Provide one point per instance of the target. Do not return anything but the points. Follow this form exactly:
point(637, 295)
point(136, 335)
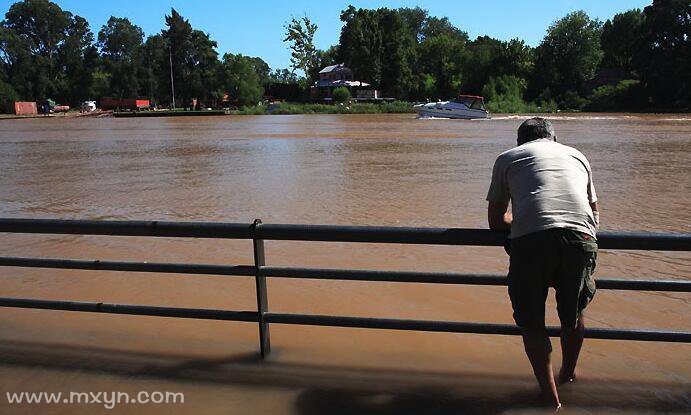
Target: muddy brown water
point(326, 169)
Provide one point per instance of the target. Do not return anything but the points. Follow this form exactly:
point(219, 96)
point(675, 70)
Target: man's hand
point(497, 216)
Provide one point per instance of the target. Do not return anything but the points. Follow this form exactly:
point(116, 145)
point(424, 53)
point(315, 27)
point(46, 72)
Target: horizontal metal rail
point(323, 274)
point(336, 321)
point(324, 233)
point(462, 327)
point(258, 232)
point(457, 278)
point(158, 267)
point(140, 310)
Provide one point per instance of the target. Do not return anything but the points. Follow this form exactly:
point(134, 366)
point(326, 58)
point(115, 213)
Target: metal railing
point(259, 232)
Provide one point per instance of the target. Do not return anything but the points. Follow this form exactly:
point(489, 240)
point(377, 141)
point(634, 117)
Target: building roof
point(333, 68)
point(339, 82)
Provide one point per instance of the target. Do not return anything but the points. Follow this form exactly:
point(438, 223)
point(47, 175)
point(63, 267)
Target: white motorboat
point(466, 107)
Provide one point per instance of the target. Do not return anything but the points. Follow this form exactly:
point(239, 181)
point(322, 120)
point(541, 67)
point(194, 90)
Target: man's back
point(549, 184)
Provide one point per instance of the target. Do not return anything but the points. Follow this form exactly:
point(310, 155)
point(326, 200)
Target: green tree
point(567, 56)
point(515, 58)
point(18, 68)
point(122, 50)
point(155, 62)
point(282, 76)
point(341, 94)
point(397, 55)
point(7, 95)
point(240, 80)
point(45, 50)
point(78, 58)
point(481, 63)
point(626, 95)
point(300, 35)
point(262, 70)
point(43, 25)
point(505, 94)
point(665, 53)
point(178, 41)
point(380, 46)
point(621, 38)
point(360, 44)
point(441, 60)
point(205, 68)
point(438, 55)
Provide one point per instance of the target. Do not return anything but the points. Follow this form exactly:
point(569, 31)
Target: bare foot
point(550, 401)
point(566, 378)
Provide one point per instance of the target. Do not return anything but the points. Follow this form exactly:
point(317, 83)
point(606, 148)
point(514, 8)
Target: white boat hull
point(449, 109)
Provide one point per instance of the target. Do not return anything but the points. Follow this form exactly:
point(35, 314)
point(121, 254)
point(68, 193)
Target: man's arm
point(596, 213)
point(498, 217)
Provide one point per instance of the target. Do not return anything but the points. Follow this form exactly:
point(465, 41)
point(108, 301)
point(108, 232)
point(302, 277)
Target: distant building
point(334, 76)
point(338, 72)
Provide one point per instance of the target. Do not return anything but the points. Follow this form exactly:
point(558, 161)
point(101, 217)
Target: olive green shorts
point(560, 258)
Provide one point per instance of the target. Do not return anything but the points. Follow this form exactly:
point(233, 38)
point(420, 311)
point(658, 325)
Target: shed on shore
point(23, 108)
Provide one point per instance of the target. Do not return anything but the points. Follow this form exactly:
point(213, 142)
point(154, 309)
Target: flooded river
point(325, 169)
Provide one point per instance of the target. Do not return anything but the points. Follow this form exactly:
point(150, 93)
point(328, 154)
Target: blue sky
point(255, 28)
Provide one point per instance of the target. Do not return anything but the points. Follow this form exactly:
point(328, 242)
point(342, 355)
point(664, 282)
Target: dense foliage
point(637, 60)
point(341, 94)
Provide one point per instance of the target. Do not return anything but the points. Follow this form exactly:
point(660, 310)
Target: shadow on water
point(348, 390)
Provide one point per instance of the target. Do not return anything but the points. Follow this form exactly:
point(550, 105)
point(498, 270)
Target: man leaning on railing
point(553, 221)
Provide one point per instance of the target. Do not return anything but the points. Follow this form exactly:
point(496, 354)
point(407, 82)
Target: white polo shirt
point(550, 185)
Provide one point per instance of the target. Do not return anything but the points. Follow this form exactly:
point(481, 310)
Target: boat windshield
point(472, 103)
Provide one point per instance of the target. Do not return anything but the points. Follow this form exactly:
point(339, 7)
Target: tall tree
point(204, 84)
point(300, 35)
point(262, 70)
point(122, 44)
point(621, 39)
point(17, 64)
point(240, 80)
point(360, 44)
point(481, 63)
point(45, 42)
point(398, 54)
point(441, 60)
point(665, 56)
point(178, 39)
point(567, 56)
point(78, 58)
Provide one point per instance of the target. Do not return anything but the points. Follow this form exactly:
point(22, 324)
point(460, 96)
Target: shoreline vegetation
point(286, 108)
point(635, 61)
point(293, 108)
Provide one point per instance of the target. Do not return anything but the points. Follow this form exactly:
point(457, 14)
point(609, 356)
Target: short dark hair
point(534, 129)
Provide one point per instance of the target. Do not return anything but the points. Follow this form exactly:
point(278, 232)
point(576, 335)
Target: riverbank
point(394, 107)
point(295, 108)
point(166, 113)
point(67, 114)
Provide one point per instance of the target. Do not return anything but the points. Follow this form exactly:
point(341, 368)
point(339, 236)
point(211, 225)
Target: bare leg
point(571, 342)
point(538, 349)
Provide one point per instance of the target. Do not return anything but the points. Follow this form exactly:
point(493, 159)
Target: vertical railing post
point(262, 298)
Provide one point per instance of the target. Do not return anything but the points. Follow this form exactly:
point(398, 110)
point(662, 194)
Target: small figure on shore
point(552, 242)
